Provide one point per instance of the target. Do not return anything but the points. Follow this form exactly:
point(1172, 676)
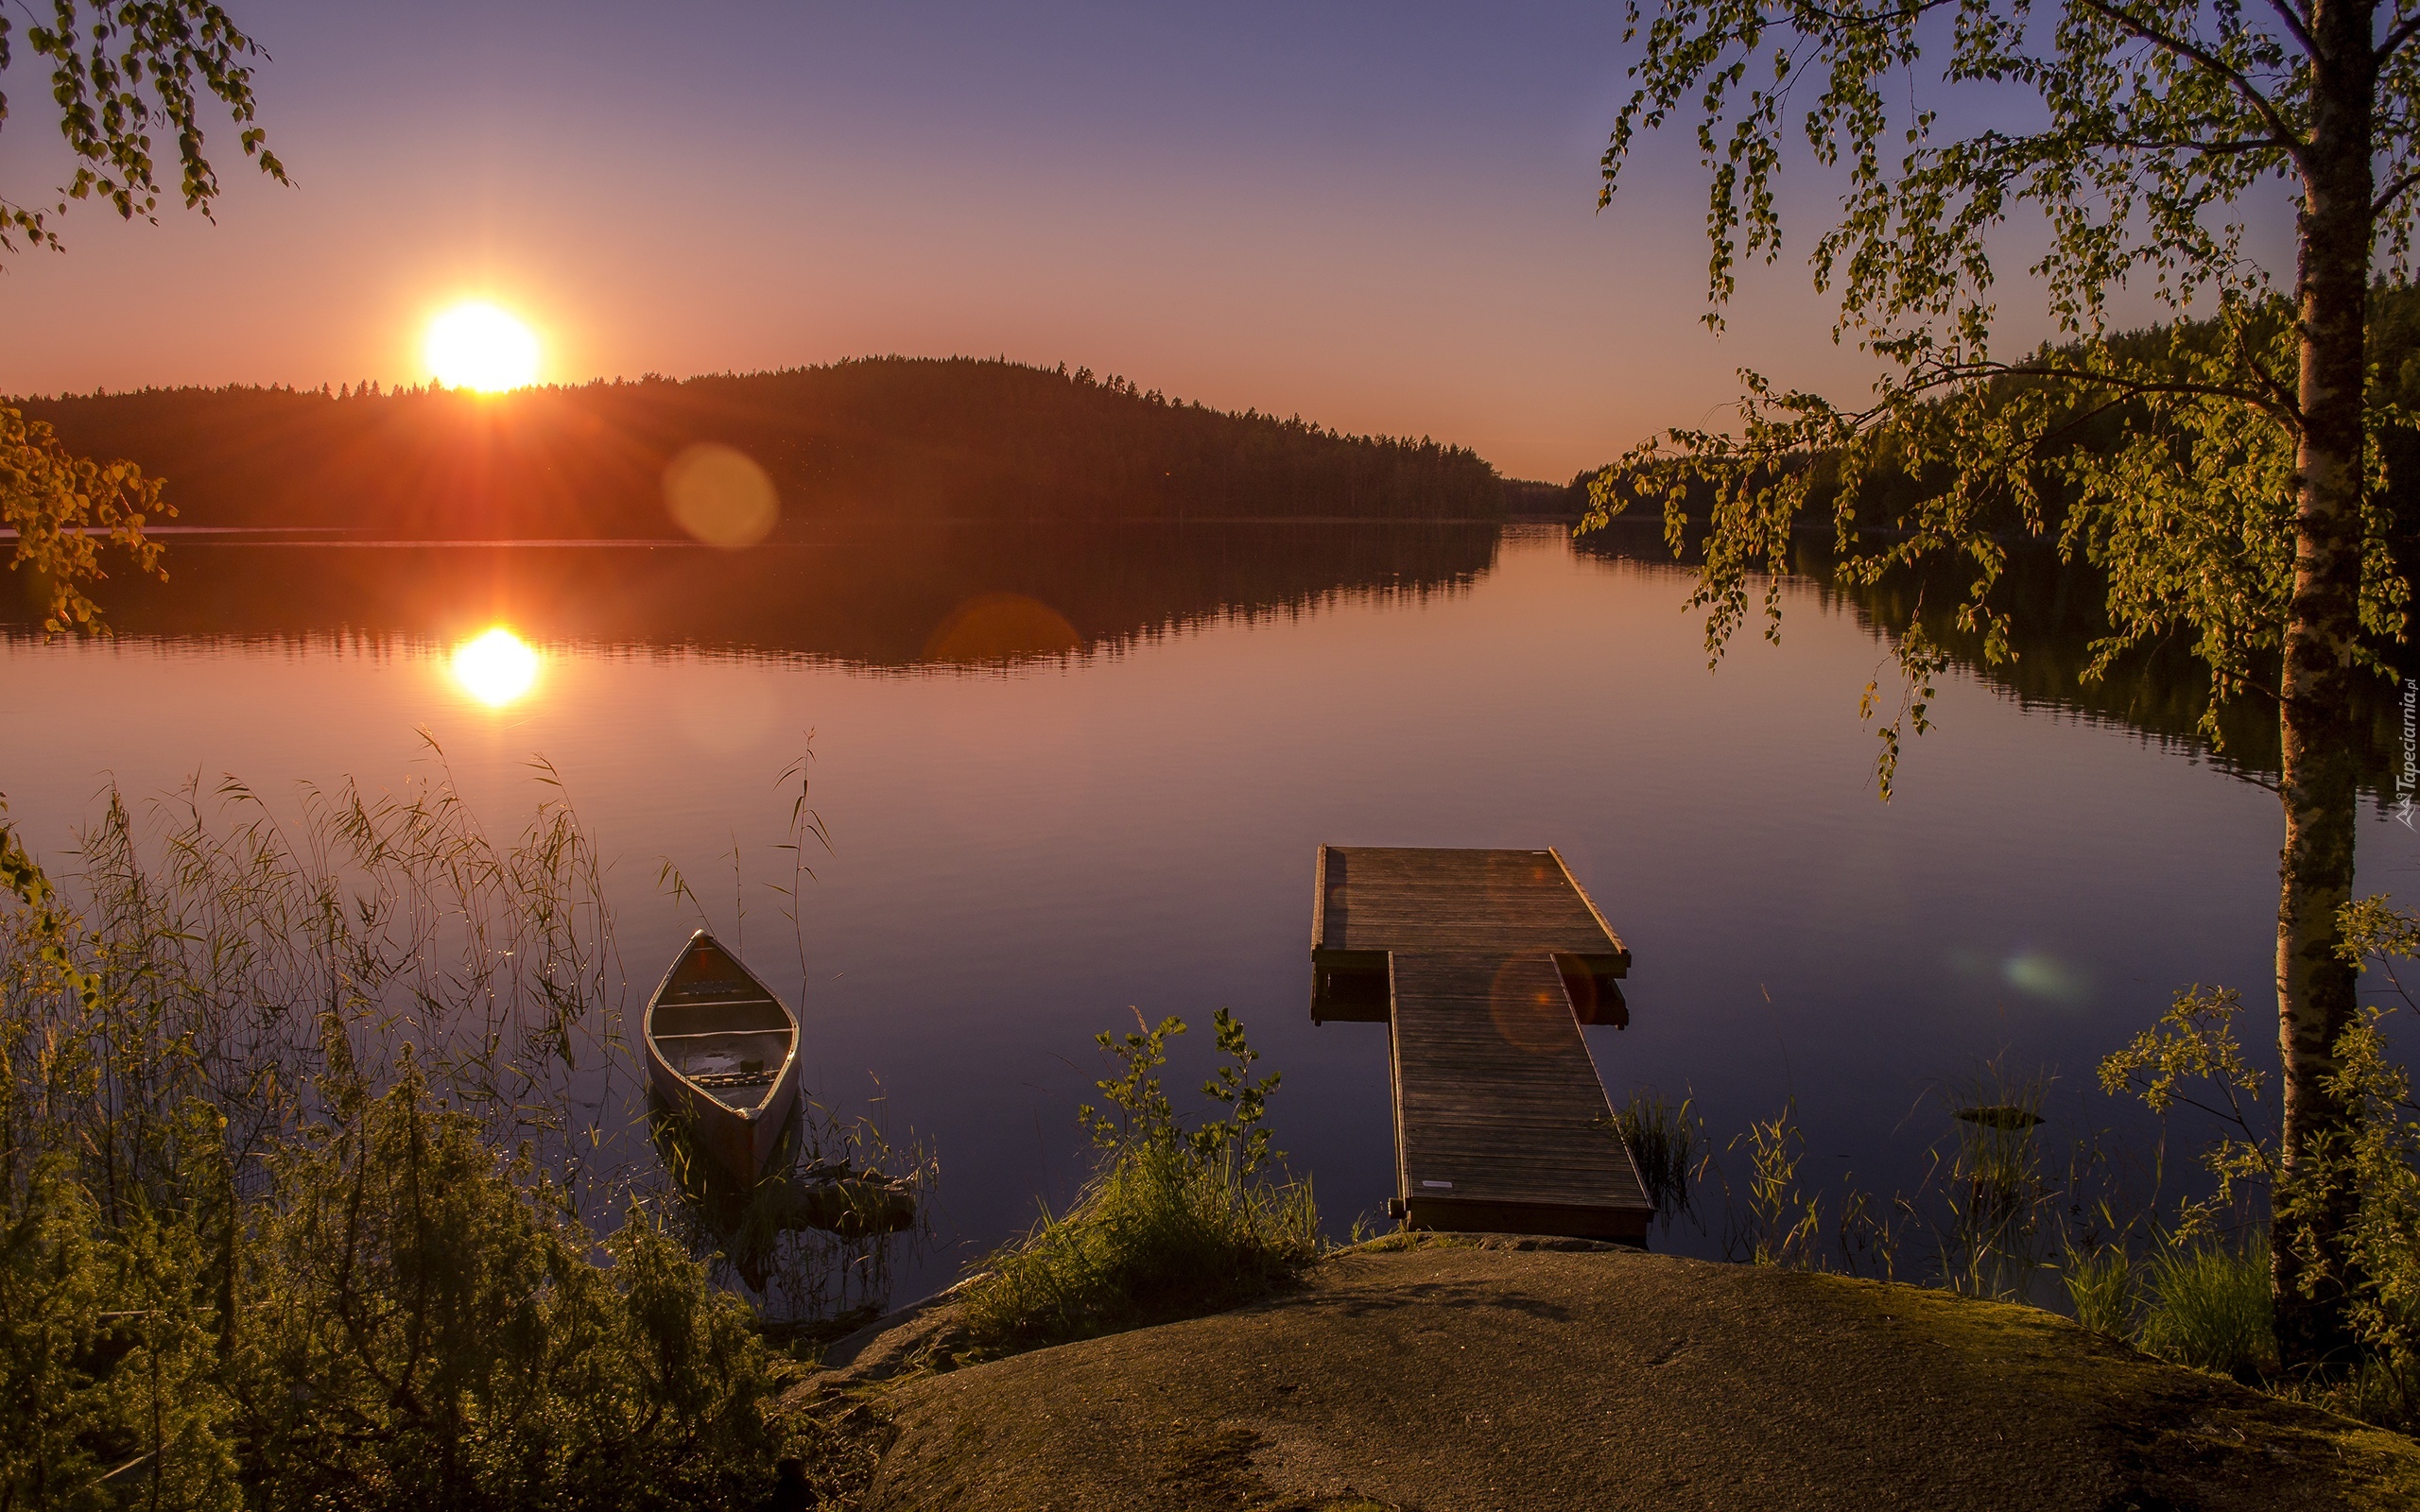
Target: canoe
point(722, 1051)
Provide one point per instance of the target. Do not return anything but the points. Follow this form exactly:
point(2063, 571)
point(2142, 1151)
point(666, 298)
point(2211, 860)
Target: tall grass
point(307, 1139)
point(2100, 1285)
point(1783, 1223)
point(1156, 1234)
point(266, 967)
point(2208, 1307)
point(1174, 1222)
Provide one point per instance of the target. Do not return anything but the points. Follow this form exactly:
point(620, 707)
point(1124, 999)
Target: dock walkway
point(1483, 964)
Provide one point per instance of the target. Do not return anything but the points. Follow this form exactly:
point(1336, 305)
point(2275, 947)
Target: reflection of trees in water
point(2159, 691)
point(962, 592)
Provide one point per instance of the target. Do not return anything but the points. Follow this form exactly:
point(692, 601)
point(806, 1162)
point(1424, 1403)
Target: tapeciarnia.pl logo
point(2408, 780)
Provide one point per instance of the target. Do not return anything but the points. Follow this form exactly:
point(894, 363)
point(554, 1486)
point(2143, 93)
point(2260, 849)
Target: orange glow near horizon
point(477, 345)
point(495, 668)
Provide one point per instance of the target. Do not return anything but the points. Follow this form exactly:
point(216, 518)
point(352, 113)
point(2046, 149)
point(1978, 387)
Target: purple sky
point(1380, 217)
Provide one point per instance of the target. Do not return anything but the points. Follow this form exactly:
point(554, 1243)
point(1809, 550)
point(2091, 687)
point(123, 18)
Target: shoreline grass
point(300, 1192)
point(1174, 1222)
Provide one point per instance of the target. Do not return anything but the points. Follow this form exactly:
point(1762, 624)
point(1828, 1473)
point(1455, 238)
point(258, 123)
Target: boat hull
point(740, 1142)
point(711, 1029)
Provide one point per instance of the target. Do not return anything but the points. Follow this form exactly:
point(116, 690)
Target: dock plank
point(1501, 1120)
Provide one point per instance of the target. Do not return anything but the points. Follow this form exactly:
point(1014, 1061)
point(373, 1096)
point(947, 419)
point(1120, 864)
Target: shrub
point(428, 1329)
point(107, 1370)
point(233, 1276)
point(2366, 1168)
point(1174, 1222)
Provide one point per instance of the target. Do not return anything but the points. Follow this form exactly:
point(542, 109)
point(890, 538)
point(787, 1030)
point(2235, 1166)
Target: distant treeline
point(891, 438)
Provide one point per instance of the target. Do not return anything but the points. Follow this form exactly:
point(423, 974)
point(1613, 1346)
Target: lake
point(1071, 773)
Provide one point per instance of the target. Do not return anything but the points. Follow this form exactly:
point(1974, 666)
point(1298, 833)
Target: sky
point(1379, 217)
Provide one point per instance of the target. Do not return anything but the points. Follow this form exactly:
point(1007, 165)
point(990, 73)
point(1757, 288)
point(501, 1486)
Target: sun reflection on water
point(495, 668)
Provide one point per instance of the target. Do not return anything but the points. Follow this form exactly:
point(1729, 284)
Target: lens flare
point(478, 346)
point(720, 495)
point(495, 668)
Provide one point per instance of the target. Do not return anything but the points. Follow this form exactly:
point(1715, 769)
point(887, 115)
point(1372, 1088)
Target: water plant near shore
point(2190, 1281)
point(307, 1195)
point(1666, 1143)
point(1174, 1222)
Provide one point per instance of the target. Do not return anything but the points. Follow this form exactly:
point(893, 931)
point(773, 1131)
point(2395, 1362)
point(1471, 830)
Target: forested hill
point(881, 437)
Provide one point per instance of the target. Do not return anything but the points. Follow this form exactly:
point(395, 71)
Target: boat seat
point(737, 1078)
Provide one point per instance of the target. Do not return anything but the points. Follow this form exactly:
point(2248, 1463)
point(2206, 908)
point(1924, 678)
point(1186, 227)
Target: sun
point(495, 668)
point(480, 346)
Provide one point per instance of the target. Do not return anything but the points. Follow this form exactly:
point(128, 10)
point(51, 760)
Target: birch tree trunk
point(2315, 988)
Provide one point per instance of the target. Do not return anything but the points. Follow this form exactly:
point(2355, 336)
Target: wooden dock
point(1483, 964)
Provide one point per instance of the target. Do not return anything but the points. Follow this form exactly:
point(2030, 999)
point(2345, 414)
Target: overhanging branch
point(2394, 191)
point(2203, 59)
point(2280, 409)
point(2294, 21)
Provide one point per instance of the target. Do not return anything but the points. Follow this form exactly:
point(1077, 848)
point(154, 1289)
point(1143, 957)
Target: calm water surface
point(1065, 776)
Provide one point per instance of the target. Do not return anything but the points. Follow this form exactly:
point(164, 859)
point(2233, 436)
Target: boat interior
point(722, 1032)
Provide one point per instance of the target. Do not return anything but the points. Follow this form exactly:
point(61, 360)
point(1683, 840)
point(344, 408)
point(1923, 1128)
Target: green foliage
point(2374, 1162)
point(64, 508)
point(109, 1369)
point(2226, 477)
point(2368, 1166)
point(1239, 1139)
point(2166, 459)
point(1146, 1116)
point(426, 1328)
point(2192, 1059)
point(1174, 1222)
point(402, 1320)
point(118, 73)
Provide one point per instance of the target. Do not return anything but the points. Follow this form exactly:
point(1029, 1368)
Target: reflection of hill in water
point(2160, 691)
point(922, 594)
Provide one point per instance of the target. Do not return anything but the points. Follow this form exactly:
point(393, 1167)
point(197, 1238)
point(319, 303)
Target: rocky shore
point(1522, 1374)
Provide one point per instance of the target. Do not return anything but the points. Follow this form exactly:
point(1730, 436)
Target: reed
point(1993, 1241)
point(1782, 1223)
point(1666, 1143)
point(307, 1185)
